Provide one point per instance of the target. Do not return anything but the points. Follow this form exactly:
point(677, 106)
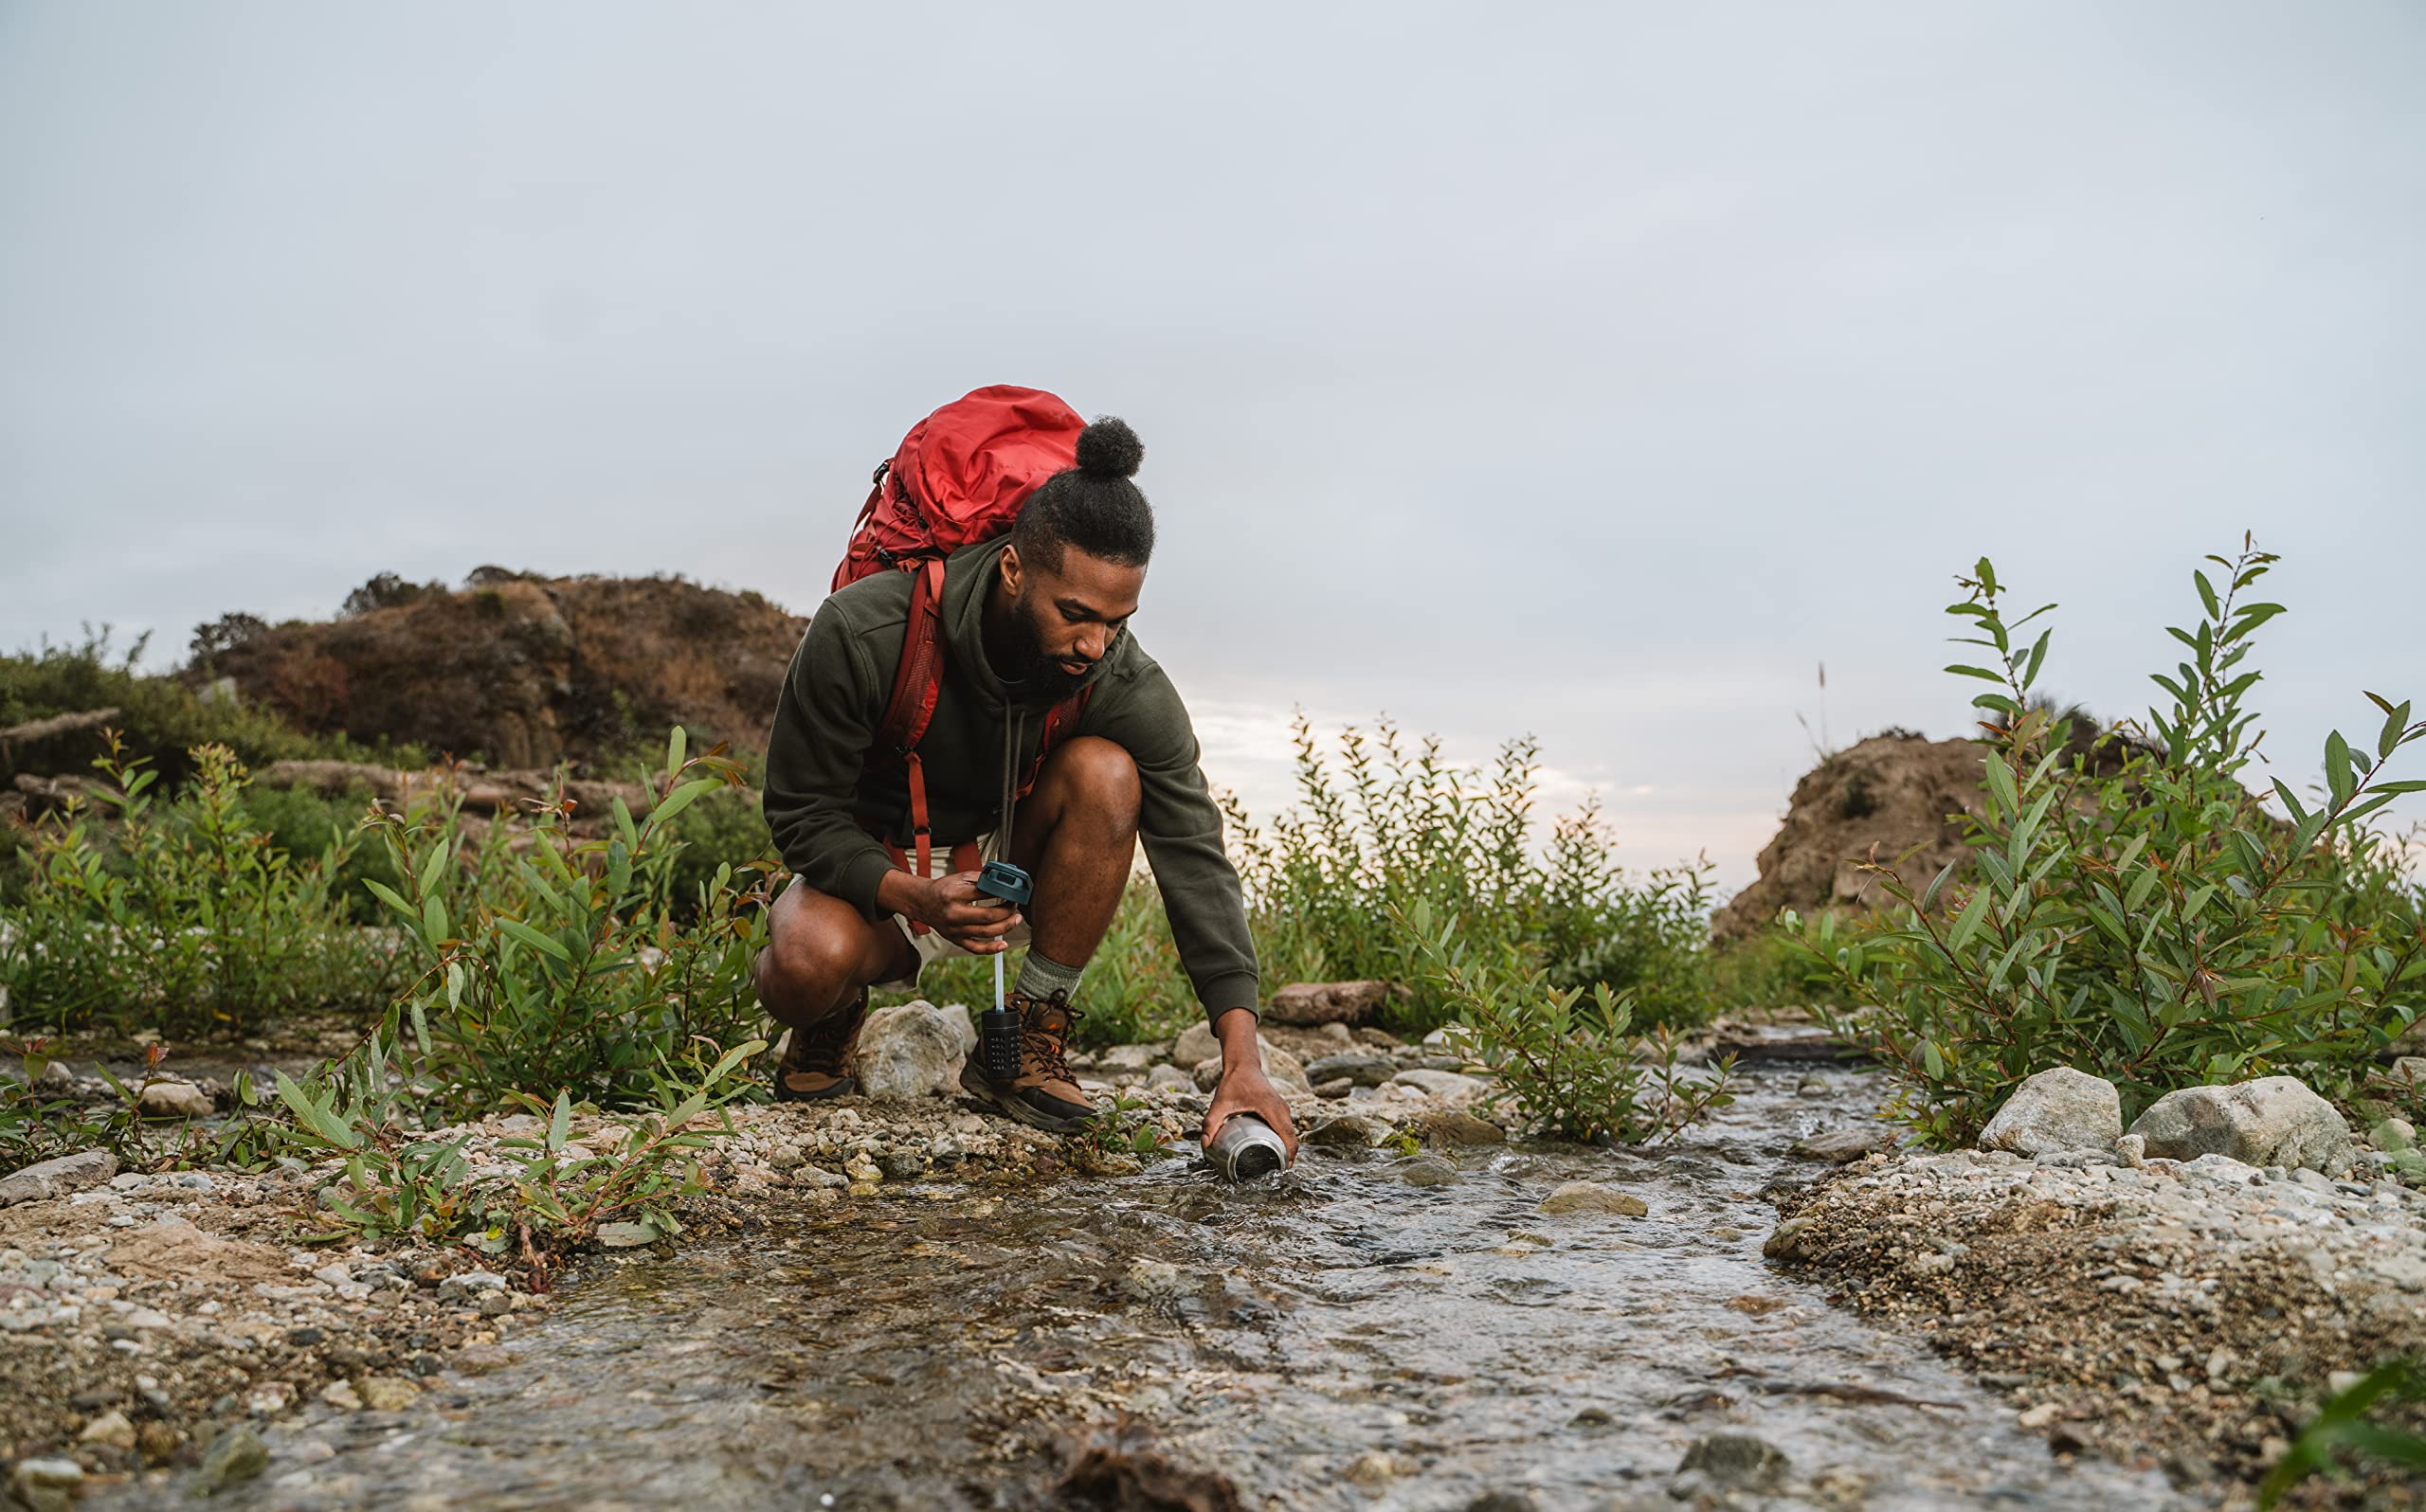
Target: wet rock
point(1841, 1145)
point(1785, 1243)
point(1591, 1196)
point(1333, 1091)
point(173, 1099)
point(1326, 1003)
point(1502, 1501)
point(1363, 1068)
point(1450, 1125)
point(467, 1282)
point(2058, 1109)
point(1153, 1281)
point(57, 1178)
point(234, 1456)
point(1737, 1461)
point(387, 1394)
point(1426, 1170)
point(479, 1360)
point(913, 1050)
point(1372, 1469)
point(46, 1485)
point(1449, 1087)
point(2272, 1121)
point(1347, 1131)
point(341, 1396)
point(111, 1430)
point(626, 1236)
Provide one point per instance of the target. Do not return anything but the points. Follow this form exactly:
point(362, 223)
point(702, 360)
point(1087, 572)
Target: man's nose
point(1092, 642)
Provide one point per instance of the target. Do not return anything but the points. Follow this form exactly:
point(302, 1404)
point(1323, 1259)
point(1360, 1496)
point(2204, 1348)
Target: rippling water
point(1338, 1338)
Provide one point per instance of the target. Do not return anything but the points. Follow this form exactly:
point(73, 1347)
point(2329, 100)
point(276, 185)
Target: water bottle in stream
point(1246, 1146)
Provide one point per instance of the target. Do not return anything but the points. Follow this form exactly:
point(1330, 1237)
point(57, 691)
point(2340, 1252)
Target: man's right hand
point(952, 907)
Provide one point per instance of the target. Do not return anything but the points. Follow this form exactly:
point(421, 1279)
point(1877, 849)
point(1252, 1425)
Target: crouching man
point(1045, 706)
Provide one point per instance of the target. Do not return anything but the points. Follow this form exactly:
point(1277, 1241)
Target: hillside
point(523, 671)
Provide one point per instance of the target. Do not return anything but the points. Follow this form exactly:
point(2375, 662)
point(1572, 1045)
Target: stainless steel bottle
point(1247, 1146)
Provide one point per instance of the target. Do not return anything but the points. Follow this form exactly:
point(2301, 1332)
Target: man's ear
point(1012, 572)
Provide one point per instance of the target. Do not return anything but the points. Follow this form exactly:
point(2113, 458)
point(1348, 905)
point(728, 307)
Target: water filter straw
point(1247, 1146)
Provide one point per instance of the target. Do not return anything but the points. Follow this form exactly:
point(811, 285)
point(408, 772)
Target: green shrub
point(1391, 828)
point(160, 719)
point(302, 822)
point(1569, 1059)
point(722, 830)
point(1767, 971)
point(545, 962)
point(187, 917)
point(2133, 911)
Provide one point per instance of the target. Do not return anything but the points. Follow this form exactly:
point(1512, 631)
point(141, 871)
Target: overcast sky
point(1593, 371)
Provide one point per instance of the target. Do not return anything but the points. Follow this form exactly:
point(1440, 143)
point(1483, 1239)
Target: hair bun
point(1109, 448)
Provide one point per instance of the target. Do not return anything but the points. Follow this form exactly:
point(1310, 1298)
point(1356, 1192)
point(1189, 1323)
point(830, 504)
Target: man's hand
point(1244, 1087)
point(953, 908)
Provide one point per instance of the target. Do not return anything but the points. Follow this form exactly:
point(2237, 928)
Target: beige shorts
point(932, 945)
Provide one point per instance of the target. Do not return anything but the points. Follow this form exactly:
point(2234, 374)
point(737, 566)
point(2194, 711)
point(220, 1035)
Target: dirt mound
point(527, 672)
point(1896, 792)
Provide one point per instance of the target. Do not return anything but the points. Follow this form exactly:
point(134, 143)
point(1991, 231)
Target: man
point(1028, 621)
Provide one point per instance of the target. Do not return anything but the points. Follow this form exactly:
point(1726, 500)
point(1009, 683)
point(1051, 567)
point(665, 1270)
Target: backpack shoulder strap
point(916, 684)
point(919, 678)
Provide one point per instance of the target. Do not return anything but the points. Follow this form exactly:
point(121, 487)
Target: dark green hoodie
point(819, 799)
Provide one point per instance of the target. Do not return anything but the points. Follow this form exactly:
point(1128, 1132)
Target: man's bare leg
point(822, 953)
point(1076, 834)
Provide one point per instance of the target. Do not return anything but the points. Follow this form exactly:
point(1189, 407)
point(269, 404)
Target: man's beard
point(1031, 668)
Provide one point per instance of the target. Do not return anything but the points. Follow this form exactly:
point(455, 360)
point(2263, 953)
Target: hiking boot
point(1046, 1096)
point(813, 1067)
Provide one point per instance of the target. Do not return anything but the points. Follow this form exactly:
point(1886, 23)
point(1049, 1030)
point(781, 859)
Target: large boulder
point(57, 1178)
point(1308, 1003)
point(2272, 1121)
point(2056, 1110)
point(914, 1050)
point(1365, 1068)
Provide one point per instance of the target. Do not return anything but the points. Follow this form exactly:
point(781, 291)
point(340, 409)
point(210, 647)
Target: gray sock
point(1043, 978)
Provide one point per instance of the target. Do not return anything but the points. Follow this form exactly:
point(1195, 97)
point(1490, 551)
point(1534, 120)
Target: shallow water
point(1337, 1338)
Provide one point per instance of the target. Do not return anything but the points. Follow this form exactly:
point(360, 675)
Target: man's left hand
point(1245, 1090)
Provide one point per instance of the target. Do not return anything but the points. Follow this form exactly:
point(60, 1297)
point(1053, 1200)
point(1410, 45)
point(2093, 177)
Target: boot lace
point(1050, 1047)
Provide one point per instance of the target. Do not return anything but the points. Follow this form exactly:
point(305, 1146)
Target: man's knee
point(1102, 780)
point(809, 962)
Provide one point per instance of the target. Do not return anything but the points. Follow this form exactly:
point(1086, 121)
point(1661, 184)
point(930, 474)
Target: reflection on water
point(1339, 1338)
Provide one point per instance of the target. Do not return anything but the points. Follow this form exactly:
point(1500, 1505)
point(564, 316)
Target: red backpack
point(959, 477)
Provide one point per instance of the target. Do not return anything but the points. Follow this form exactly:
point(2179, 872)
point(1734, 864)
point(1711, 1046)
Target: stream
point(1368, 1332)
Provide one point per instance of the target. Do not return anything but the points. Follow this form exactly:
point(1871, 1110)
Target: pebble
point(1738, 1461)
point(237, 1454)
point(1841, 1145)
point(46, 1485)
point(1591, 1196)
point(1426, 1170)
point(173, 1099)
point(388, 1394)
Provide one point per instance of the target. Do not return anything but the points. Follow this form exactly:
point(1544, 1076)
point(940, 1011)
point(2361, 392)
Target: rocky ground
point(2190, 1311)
point(149, 1319)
